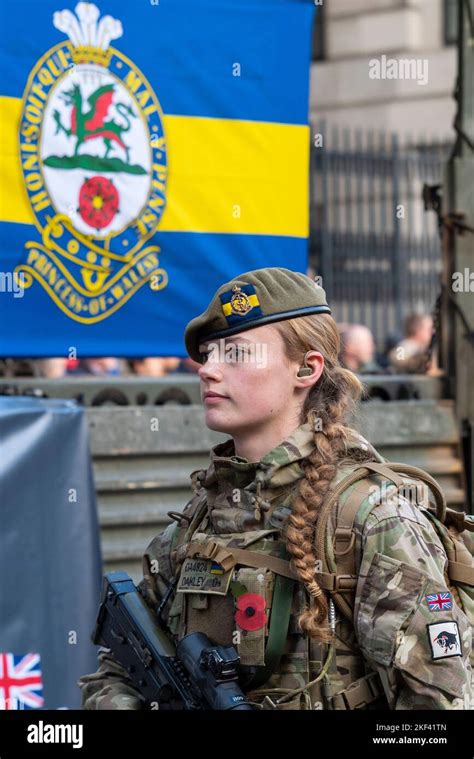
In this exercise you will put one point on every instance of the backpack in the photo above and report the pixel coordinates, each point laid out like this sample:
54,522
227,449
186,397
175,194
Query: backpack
339,577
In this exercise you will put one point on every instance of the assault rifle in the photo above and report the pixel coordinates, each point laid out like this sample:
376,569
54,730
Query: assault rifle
193,675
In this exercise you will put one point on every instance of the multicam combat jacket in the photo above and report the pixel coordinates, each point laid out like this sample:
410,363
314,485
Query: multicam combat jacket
402,650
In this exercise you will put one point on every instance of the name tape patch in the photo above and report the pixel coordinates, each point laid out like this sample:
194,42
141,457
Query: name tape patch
203,576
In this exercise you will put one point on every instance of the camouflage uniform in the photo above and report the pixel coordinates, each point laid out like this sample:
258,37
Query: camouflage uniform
387,650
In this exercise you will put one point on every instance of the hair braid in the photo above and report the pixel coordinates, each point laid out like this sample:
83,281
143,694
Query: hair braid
326,407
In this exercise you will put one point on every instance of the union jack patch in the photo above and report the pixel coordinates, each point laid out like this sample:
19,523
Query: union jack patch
439,601
21,685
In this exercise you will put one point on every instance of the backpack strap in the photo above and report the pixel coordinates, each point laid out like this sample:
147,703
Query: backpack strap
188,521
460,568
344,579
278,631
228,557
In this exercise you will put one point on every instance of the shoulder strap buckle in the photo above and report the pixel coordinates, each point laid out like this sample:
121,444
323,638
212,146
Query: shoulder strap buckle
335,583
360,693
344,539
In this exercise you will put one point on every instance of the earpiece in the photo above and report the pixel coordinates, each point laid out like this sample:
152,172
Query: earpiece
304,371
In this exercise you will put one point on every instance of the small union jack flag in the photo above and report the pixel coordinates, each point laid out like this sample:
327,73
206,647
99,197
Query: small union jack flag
439,601
21,685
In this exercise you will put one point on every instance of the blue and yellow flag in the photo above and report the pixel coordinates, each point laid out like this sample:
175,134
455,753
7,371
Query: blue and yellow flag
150,151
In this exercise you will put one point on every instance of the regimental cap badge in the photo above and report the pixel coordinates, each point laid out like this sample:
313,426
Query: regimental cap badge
238,302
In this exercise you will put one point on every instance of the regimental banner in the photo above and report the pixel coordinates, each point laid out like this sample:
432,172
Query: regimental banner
93,156
138,175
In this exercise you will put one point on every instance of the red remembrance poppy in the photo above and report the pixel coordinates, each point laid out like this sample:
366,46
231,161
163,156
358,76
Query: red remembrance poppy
250,614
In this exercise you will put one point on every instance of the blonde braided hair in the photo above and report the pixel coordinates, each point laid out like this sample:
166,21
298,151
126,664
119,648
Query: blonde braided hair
326,407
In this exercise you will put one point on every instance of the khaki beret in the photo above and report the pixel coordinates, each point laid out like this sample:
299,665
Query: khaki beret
253,299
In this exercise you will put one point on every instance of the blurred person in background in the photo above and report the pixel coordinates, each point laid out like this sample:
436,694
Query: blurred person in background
99,367
357,349
410,355
154,366
50,368
391,341
186,366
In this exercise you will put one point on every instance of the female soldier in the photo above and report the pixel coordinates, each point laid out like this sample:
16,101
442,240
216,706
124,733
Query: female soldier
270,379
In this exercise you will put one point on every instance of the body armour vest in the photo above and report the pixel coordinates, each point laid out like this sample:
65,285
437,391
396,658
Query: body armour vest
231,580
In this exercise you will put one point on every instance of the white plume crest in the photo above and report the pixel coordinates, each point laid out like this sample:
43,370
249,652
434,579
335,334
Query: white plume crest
109,29
66,22
85,29
88,17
